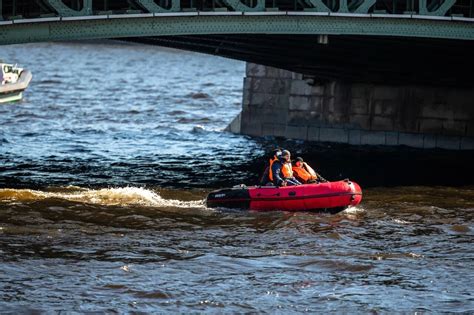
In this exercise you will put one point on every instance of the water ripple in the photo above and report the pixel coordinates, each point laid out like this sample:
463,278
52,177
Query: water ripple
104,168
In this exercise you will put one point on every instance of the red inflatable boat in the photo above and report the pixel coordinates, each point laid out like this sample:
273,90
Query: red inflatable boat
331,196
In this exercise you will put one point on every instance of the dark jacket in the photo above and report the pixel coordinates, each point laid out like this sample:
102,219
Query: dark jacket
277,175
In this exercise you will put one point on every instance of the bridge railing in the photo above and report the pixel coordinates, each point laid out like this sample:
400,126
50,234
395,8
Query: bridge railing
21,9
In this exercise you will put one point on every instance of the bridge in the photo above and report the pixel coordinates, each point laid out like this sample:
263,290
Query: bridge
379,72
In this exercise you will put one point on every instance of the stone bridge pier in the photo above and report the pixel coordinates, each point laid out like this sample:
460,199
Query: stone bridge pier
281,103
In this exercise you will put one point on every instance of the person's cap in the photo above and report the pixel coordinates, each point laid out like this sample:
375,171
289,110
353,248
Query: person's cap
277,152
299,159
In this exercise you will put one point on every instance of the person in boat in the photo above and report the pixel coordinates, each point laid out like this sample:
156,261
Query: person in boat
265,179
305,173
281,173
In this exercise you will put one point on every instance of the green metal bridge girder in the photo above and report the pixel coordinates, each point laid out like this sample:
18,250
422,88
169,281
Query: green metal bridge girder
85,7
152,7
193,23
64,10
363,7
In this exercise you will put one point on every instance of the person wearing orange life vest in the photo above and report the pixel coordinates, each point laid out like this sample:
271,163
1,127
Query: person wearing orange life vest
305,173
265,179
281,173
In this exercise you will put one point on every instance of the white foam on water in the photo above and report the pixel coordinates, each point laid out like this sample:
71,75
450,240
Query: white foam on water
356,209
399,221
199,128
106,196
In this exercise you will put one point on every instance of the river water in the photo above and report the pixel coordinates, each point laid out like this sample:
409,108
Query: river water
104,167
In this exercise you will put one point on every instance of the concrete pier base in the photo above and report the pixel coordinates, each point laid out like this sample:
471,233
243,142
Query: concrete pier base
286,104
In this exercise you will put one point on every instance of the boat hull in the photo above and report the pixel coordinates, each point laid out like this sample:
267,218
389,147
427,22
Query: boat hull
332,197
11,97
12,92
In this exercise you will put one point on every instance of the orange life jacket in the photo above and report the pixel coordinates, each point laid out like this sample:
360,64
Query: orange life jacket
270,173
305,173
286,170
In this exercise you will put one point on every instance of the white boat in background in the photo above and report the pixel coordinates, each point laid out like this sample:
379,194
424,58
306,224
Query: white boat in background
13,81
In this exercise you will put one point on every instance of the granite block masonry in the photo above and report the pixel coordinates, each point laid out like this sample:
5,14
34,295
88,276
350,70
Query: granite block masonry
281,103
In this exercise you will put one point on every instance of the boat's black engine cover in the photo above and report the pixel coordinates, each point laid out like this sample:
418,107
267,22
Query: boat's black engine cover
229,198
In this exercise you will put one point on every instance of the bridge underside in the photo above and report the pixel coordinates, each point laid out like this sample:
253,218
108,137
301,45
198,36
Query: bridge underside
376,59
395,49
396,72
359,90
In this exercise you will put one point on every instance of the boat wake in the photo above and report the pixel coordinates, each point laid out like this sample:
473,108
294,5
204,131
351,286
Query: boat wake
125,196
356,209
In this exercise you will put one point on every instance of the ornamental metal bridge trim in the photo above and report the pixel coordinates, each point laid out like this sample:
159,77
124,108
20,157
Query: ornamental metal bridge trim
57,21
199,23
85,7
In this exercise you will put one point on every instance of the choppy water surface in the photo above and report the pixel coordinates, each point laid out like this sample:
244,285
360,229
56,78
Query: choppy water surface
104,167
